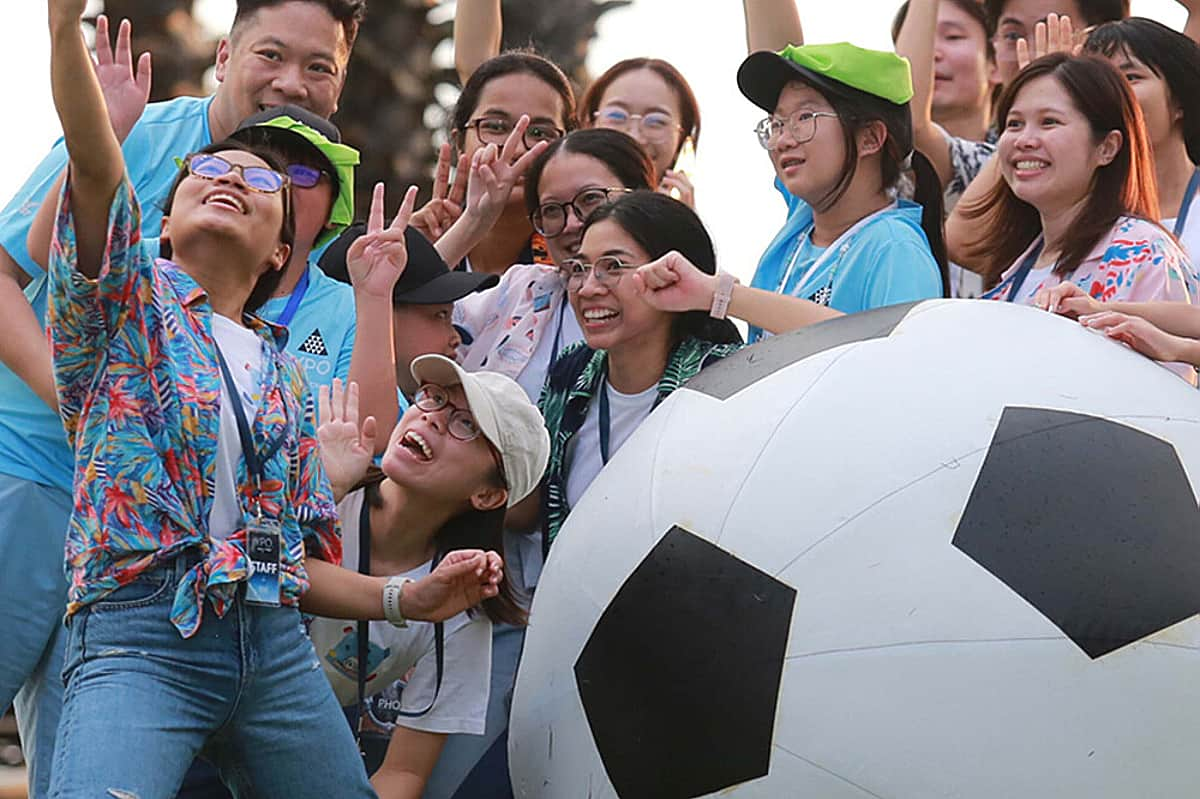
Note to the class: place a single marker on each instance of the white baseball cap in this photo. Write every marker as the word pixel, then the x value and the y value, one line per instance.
pixel 506 417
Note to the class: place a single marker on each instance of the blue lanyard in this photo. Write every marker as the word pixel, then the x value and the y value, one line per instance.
pixel 1189 194
pixel 1018 278
pixel 254 462
pixel 289 311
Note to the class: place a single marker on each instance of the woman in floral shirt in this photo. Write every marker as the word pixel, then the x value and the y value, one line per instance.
pixel 1077 200
pixel 202 514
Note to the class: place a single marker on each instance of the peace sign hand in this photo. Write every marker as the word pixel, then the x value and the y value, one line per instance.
pixel 377 259
pixel 495 172
pixel 435 217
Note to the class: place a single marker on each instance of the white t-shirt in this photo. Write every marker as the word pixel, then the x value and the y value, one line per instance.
pixel 626 412
pixel 533 376
pixel 409 655
pixel 243 351
pixel 1189 237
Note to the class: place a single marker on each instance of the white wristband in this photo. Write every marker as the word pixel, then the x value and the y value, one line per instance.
pixel 722 295
pixel 393 592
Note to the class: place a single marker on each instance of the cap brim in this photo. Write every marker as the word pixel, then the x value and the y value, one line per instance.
pixel 762 76
pixel 444 372
pixel 449 287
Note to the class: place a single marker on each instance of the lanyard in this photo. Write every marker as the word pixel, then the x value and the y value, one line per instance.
pixel 842 242
pixel 605 422
pixel 1018 278
pixel 293 304
pixel 1189 194
pixel 254 462
pixel 364 631
pixel 562 312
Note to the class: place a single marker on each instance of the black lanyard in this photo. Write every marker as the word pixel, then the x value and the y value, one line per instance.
pixel 562 312
pixel 1189 194
pixel 1018 278
pixel 364 631
pixel 605 422
pixel 254 461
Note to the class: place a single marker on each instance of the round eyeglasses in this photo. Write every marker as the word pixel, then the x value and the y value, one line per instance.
pixel 304 176
pixel 654 126
pixel 256 178
pixel 607 269
pixel 461 424
pixel 550 219
pixel 802 125
pixel 496 130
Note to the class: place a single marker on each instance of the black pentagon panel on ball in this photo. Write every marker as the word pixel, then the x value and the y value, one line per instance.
pixel 1092 522
pixel 745 368
pixel 680 677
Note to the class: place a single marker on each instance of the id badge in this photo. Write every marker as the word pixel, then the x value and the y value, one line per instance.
pixel 263 542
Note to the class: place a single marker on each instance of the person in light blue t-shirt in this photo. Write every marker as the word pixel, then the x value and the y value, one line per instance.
pixel 840 137
pixel 313 39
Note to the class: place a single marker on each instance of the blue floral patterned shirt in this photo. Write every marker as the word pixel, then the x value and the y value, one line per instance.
pixel 139 390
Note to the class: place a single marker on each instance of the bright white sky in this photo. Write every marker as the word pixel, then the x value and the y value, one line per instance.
pixel 706 42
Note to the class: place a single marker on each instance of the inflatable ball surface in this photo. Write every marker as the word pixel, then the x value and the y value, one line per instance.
pixel 949 549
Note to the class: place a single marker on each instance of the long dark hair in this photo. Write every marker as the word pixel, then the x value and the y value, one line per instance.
pixel 472 529
pixel 689 108
pixel 623 156
pixel 660 224
pixel 513 62
pixel 1123 187
pixel 269 280
pixel 1168 54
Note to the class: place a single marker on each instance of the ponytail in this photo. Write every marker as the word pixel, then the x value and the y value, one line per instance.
pixel 927 190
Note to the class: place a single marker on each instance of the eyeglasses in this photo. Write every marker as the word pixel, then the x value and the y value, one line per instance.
pixel 461 424
pixel 550 219
pixel 655 126
pixel 257 178
pixel 607 269
pixel 495 130
pixel 802 125
pixel 306 176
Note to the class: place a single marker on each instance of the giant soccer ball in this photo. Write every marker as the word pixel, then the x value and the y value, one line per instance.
pixel 949 549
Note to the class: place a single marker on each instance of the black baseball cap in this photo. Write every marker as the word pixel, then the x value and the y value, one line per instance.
pixel 426 280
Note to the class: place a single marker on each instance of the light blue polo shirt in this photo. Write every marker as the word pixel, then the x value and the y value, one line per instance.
pixel 32 443
pixel 321 334
pixel 885 262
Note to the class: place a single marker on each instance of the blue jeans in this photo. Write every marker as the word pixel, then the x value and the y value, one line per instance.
pixel 247 690
pixel 33 596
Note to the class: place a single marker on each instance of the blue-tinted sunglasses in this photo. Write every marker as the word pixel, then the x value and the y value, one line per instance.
pixel 257 178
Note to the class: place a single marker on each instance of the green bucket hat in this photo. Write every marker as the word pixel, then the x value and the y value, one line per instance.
pixel 840 69
pixel 321 135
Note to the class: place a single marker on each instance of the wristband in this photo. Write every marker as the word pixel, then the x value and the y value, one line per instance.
pixel 393 592
pixel 722 295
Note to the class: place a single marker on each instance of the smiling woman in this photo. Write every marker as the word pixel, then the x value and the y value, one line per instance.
pixel 1077 200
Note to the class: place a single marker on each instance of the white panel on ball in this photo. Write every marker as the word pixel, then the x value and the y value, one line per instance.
pixel 911 663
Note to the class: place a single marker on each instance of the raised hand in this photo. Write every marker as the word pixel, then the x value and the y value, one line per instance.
pixel 65 11
pixel 672 283
pixel 495 172
pixel 1140 335
pixel 435 217
pixel 677 186
pixel 346 447
pixel 125 92
pixel 377 259
pixel 462 579
pixel 1055 35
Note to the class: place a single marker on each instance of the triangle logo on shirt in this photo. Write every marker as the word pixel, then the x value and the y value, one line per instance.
pixel 314 344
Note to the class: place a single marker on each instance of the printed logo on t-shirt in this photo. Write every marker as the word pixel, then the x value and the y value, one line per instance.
pixel 344 656
pixel 314 344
